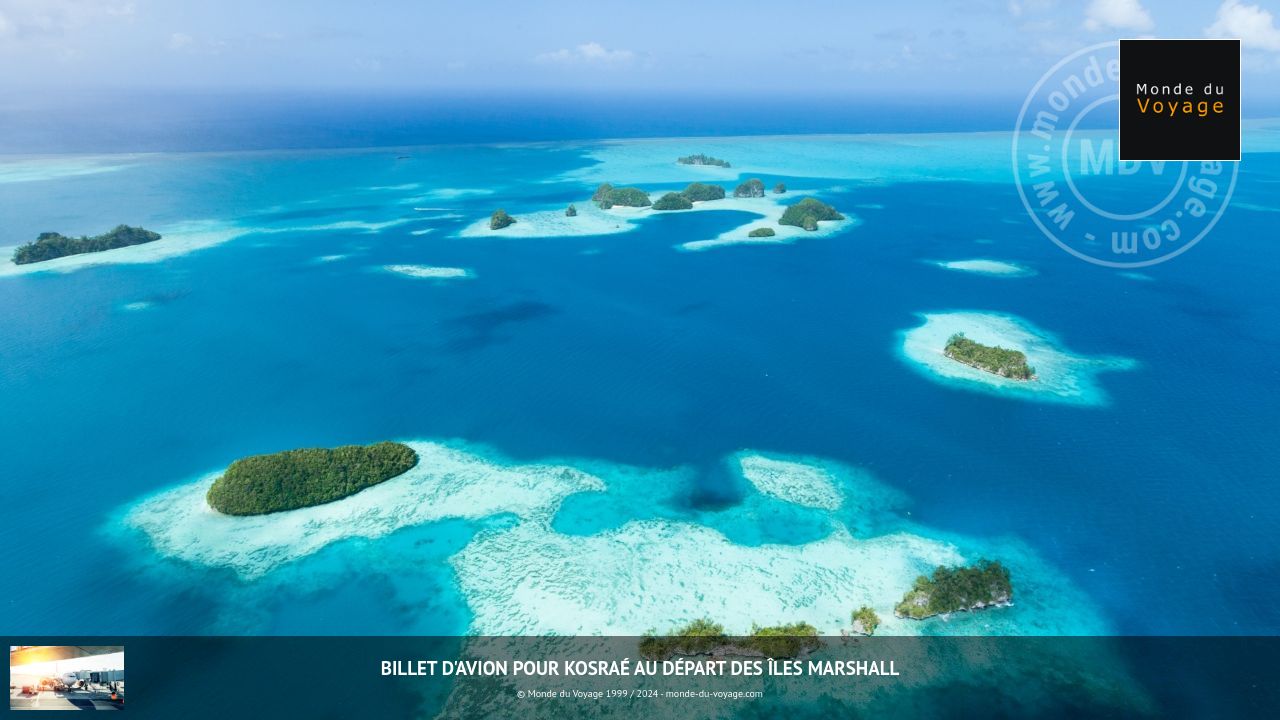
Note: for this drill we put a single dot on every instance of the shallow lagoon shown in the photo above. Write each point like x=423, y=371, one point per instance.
x=524, y=577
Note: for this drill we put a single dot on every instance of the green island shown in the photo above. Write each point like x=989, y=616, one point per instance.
x=51, y=245
x=672, y=201
x=865, y=621
x=751, y=188
x=702, y=159
x=500, y=219
x=996, y=360
x=606, y=196
x=571, y=211
x=984, y=584
x=704, y=637
x=762, y=232
x=293, y=479
x=780, y=188
x=808, y=213
x=700, y=192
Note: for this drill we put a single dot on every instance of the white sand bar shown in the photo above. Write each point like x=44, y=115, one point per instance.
x=995, y=268
x=1061, y=376
x=428, y=271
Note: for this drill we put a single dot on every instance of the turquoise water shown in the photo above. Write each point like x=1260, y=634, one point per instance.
x=646, y=367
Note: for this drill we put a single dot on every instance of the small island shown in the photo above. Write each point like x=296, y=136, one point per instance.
x=606, y=196
x=571, y=211
x=500, y=219
x=262, y=484
x=672, y=201
x=704, y=637
x=865, y=621
x=762, y=232
x=702, y=159
x=808, y=213
x=700, y=192
x=780, y=188
x=752, y=188
x=958, y=589
x=996, y=360
x=52, y=245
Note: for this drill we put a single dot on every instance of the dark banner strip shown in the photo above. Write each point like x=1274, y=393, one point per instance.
x=394, y=677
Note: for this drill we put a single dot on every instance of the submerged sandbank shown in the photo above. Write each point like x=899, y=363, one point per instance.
x=446, y=194
x=530, y=580
x=590, y=220
x=659, y=573
x=429, y=271
x=770, y=209
x=858, y=158
x=808, y=485
x=982, y=266
x=1140, y=277
x=53, y=168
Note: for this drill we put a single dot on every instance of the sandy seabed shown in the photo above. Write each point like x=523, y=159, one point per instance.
x=526, y=577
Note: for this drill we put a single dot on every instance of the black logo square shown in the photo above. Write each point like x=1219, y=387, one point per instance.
x=1180, y=100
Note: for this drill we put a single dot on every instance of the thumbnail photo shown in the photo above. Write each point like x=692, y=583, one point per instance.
x=66, y=677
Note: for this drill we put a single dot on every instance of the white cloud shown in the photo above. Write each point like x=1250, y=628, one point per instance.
x=1255, y=27
x=195, y=44
x=34, y=18
x=1018, y=8
x=1117, y=15
x=592, y=53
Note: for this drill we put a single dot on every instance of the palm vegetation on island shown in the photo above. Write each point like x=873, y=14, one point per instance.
x=607, y=196
x=702, y=159
x=500, y=219
x=293, y=479
x=947, y=590
x=51, y=245
x=752, y=188
x=865, y=621
x=808, y=213
x=993, y=359
x=672, y=201
x=701, y=192
x=704, y=637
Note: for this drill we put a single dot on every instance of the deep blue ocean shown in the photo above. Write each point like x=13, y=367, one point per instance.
x=119, y=380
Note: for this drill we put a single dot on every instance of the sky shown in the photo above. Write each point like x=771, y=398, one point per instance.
x=57, y=47
x=110, y=661
x=271, y=74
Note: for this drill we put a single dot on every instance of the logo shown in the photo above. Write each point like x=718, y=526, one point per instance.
x=1071, y=180
x=1180, y=100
